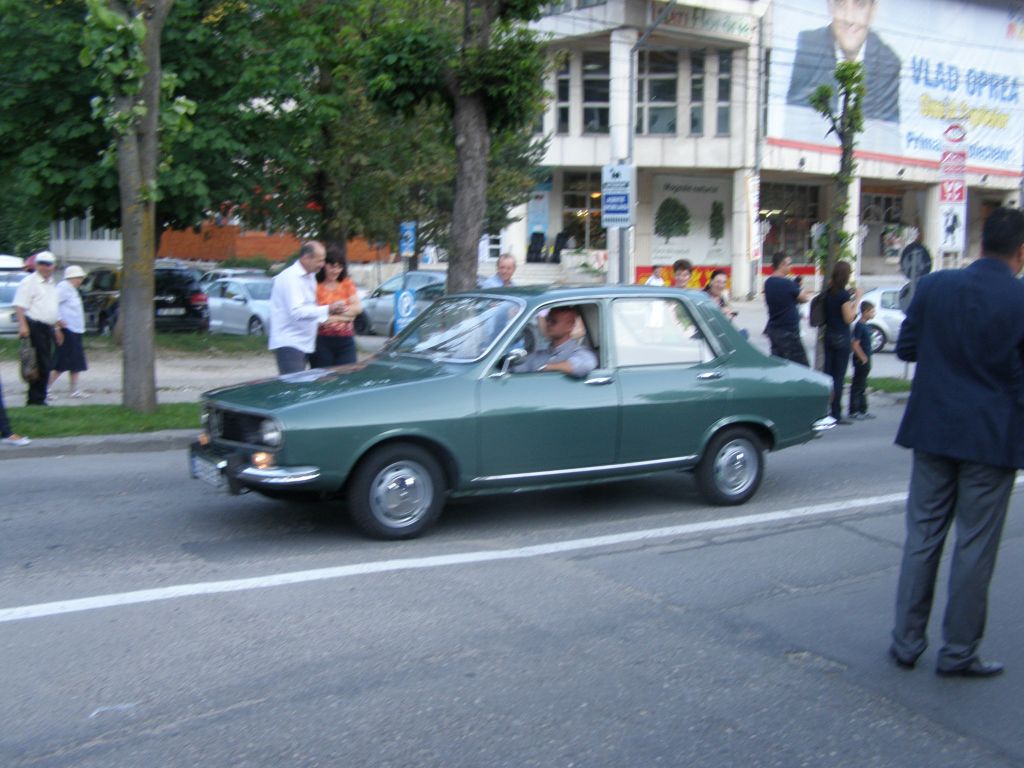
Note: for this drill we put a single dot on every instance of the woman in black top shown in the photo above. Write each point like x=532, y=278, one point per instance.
x=840, y=311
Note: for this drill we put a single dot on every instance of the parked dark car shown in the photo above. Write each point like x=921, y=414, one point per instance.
x=178, y=300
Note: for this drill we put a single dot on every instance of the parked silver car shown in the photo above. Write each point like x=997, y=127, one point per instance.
x=8, y=317
x=239, y=305
x=885, y=325
x=379, y=305
x=220, y=274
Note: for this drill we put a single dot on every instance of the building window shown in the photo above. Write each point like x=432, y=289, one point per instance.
x=591, y=3
x=788, y=213
x=581, y=210
x=596, y=90
x=881, y=209
x=562, y=97
x=724, y=92
x=656, y=92
x=696, y=94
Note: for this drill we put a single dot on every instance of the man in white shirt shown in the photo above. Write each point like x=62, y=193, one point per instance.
x=36, y=305
x=503, y=277
x=294, y=313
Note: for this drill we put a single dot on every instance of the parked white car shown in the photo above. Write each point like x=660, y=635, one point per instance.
x=8, y=317
x=885, y=325
x=219, y=274
x=239, y=305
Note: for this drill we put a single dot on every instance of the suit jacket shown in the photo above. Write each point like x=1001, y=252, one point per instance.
x=965, y=330
x=815, y=64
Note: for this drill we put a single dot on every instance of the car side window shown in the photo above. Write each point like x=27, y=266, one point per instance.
x=657, y=331
x=233, y=291
x=215, y=290
x=890, y=300
x=104, y=281
x=430, y=292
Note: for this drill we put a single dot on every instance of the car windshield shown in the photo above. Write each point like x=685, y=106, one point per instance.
x=461, y=328
x=259, y=291
x=7, y=291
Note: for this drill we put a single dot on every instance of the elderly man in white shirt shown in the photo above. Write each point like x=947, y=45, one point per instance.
x=294, y=313
x=36, y=305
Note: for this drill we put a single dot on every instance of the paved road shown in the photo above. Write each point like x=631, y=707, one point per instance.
x=727, y=640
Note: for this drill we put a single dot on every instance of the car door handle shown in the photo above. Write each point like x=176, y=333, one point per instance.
x=709, y=376
x=598, y=381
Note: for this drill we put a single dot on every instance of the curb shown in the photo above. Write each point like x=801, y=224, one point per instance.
x=133, y=442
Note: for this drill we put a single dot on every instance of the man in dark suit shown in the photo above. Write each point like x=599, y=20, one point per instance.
x=849, y=37
x=965, y=423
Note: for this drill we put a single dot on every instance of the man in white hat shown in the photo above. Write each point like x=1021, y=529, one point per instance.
x=71, y=352
x=36, y=305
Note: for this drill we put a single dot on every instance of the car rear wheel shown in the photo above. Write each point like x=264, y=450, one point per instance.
x=732, y=467
x=255, y=326
x=878, y=338
x=396, y=492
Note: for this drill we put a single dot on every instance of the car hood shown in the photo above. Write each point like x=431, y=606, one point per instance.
x=293, y=389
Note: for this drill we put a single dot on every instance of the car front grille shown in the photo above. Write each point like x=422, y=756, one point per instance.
x=234, y=426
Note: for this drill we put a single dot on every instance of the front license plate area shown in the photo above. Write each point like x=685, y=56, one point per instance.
x=208, y=472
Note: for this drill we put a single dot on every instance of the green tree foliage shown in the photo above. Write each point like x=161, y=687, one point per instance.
x=484, y=68
x=717, y=221
x=845, y=124
x=672, y=219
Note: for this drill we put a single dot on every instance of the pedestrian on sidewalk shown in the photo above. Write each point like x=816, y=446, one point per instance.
x=7, y=435
x=965, y=423
x=861, y=346
x=840, y=311
x=783, y=297
x=682, y=271
x=294, y=313
x=336, y=339
x=70, y=356
x=36, y=305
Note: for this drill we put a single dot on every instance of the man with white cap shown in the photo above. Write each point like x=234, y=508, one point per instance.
x=36, y=305
x=71, y=353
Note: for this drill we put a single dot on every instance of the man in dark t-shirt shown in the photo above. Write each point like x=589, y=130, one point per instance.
x=783, y=295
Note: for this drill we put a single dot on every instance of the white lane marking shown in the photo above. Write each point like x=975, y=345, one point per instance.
x=40, y=610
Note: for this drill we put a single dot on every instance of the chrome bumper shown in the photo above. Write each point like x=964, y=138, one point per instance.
x=232, y=472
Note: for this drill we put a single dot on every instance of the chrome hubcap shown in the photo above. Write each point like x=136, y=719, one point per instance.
x=736, y=467
x=401, y=493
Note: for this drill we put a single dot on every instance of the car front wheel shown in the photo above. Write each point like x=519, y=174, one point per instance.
x=255, y=326
x=732, y=467
x=396, y=492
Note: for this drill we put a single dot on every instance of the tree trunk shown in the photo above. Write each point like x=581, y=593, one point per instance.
x=138, y=161
x=472, y=148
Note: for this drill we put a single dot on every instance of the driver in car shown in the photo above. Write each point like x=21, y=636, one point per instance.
x=564, y=354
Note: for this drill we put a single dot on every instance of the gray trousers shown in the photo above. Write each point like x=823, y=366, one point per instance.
x=976, y=497
x=290, y=360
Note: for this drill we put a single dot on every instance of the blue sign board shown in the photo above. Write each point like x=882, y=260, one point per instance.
x=405, y=308
x=407, y=239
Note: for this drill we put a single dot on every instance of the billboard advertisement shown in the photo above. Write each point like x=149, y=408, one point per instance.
x=692, y=216
x=927, y=64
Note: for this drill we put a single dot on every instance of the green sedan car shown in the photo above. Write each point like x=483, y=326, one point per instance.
x=455, y=405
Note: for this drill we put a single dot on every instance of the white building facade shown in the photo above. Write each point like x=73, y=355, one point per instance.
x=733, y=165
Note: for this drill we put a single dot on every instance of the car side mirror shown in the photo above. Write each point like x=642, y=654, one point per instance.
x=511, y=358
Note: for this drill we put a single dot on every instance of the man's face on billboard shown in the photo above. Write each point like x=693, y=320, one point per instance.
x=851, y=20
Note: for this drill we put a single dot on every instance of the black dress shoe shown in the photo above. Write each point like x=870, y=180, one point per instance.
x=976, y=668
x=900, y=661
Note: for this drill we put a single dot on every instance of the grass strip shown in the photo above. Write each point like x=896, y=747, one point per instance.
x=889, y=384
x=101, y=419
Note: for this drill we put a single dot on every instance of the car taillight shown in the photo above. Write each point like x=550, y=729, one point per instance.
x=198, y=299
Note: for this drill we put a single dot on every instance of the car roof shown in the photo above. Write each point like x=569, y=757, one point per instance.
x=543, y=294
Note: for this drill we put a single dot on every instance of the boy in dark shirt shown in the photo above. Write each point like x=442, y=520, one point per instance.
x=861, y=344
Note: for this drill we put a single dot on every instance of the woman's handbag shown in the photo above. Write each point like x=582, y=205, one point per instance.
x=816, y=313
x=29, y=361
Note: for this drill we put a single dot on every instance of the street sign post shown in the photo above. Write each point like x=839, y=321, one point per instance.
x=618, y=195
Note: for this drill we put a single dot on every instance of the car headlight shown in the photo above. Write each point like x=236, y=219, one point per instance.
x=270, y=433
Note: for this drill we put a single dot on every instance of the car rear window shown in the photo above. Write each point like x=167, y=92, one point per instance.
x=170, y=279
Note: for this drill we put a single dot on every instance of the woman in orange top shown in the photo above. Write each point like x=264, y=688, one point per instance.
x=335, y=339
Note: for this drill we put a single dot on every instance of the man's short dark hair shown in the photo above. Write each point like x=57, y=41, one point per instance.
x=1003, y=233
x=680, y=264
x=777, y=258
